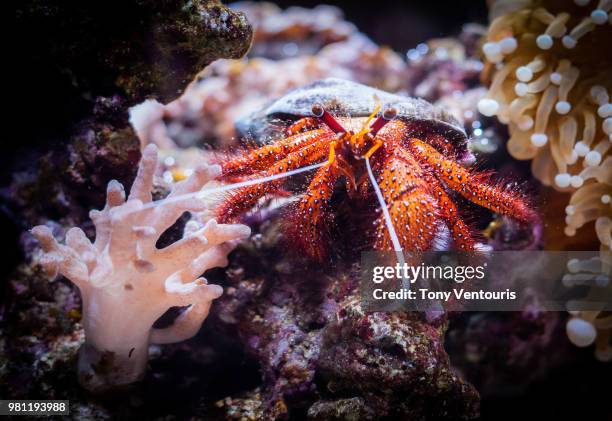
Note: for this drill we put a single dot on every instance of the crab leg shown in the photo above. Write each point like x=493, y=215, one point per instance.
x=411, y=206
x=259, y=159
x=460, y=232
x=303, y=124
x=245, y=198
x=471, y=186
x=309, y=224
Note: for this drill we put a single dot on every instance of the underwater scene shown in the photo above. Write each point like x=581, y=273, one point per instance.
x=297, y=210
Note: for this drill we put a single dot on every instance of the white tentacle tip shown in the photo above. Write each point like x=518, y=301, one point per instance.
x=544, y=42
x=592, y=159
x=493, y=52
x=215, y=170
x=605, y=110
x=563, y=107
x=562, y=180
x=524, y=74
x=508, y=45
x=539, y=139
x=555, y=78
x=521, y=89
x=211, y=224
x=488, y=107
x=573, y=265
x=568, y=42
x=607, y=126
x=576, y=181
x=491, y=48
x=598, y=94
x=599, y=16
x=581, y=148
x=580, y=332
x=114, y=185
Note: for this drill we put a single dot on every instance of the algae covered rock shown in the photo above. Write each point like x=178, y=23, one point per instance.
x=142, y=47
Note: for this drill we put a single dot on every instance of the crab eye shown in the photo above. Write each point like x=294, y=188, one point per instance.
x=319, y=112
x=389, y=114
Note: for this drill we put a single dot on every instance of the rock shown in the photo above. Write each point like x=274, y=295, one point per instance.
x=138, y=47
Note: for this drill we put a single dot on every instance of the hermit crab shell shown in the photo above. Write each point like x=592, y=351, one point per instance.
x=345, y=98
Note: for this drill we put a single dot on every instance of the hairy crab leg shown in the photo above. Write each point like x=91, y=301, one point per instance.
x=441, y=143
x=472, y=185
x=411, y=206
x=460, y=232
x=245, y=198
x=303, y=124
x=312, y=217
x=259, y=159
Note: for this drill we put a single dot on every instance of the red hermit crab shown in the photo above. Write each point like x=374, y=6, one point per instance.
x=418, y=156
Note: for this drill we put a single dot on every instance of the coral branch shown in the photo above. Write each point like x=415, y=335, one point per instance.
x=127, y=283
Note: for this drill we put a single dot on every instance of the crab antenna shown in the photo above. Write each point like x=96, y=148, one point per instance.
x=319, y=112
x=388, y=115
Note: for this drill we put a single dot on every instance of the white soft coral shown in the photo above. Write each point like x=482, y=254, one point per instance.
x=127, y=283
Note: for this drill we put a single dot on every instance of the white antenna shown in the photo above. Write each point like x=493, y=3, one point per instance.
x=203, y=193
x=388, y=222
x=397, y=247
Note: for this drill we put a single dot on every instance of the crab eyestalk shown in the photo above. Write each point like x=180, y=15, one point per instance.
x=320, y=112
x=387, y=116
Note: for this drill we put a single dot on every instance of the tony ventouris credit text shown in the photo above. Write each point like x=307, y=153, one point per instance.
x=459, y=294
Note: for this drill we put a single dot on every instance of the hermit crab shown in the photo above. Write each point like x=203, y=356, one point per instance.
x=413, y=153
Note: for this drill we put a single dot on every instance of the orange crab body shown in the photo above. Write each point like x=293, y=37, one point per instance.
x=418, y=156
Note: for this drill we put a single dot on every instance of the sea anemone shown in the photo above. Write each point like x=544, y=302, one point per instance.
x=591, y=326
x=550, y=83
